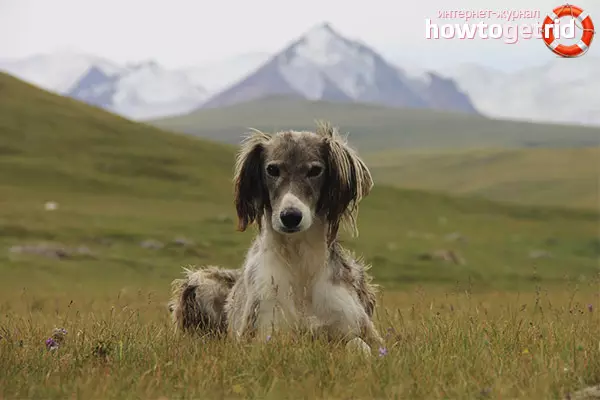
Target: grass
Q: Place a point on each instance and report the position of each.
(376, 128)
(541, 176)
(439, 345)
(119, 184)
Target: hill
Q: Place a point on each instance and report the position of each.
(135, 203)
(374, 128)
(560, 177)
(60, 144)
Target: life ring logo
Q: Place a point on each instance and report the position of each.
(579, 15)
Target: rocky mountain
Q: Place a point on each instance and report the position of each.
(324, 65)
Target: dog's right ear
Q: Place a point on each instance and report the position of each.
(251, 195)
(347, 181)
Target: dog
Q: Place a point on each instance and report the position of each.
(298, 188)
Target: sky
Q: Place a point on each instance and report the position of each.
(181, 33)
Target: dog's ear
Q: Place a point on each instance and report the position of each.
(347, 181)
(251, 195)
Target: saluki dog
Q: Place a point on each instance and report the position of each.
(298, 187)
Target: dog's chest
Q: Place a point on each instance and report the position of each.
(287, 286)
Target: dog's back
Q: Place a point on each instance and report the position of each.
(198, 300)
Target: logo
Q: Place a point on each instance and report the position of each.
(552, 23)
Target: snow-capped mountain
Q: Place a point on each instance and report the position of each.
(140, 91)
(563, 91)
(57, 72)
(324, 65)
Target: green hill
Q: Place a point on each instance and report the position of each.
(136, 203)
(437, 151)
(60, 144)
(563, 177)
(378, 128)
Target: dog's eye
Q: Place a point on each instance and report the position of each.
(273, 170)
(314, 171)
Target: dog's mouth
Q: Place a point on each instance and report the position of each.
(283, 229)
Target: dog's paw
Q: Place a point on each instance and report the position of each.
(314, 326)
(358, 346)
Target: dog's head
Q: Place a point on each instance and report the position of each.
(294, 178)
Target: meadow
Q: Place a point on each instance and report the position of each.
(464, 155)
(539, 176)
(478, 299)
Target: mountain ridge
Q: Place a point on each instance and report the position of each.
(324, 65)
(365, 76)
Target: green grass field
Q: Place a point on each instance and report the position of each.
(518, 318)
(543, 176)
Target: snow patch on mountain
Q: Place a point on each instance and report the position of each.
(57, 72)
(148, 91)
(345, 63)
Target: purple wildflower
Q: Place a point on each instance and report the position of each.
(51, 344)
(590, 308)
(268, 338)
(383, 351)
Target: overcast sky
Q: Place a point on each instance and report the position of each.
(180, 33)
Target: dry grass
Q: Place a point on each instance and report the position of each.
(543, 344)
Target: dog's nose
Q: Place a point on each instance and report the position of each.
(291, 217)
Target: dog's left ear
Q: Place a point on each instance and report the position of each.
(251, 195)
(347, 181)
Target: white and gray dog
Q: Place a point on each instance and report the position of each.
(298, 187)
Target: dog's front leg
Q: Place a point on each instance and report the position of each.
(370, 333)
(247, 324)
(273, 318)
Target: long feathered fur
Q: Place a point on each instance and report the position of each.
(248, 166)
(198, 299)
(349, 181)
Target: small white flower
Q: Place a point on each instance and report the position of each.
(51, 205)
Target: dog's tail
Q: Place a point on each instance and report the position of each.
(198, 300)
